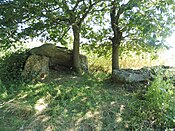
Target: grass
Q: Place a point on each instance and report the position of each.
(67, 102)
(126, 61)
(64, 101)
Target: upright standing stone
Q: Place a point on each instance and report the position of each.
(36, 66)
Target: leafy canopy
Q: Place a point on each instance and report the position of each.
(49, 19)
(144, 24)
(141, 22)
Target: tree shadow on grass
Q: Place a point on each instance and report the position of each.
(66, 102)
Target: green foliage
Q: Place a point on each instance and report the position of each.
(141, 22)
(99, 64)
(12, 64)
(64, 101)
(3, 91)
(161, 101)
(101, 50)
(50, 20)
(127, 59)
(69, 102)
(155, 109)
(125, 50)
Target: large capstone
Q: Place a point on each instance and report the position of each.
(59, 56)
(49, 56)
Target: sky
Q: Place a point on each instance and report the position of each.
(169, 55)
(171, 40)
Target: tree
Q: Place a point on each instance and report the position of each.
(48, 18)
(132, 21)
(138, 24)
(143, 22)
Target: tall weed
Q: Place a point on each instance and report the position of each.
(131, 60)
(160, 99)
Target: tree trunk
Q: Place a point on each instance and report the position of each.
(115, 54)
(116, 39)
(76, 45)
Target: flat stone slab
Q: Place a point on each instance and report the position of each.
(129, 76)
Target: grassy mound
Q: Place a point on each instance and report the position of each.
(66, 101)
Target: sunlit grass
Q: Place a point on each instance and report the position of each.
(130, 61)
(76, 102)
(66, 101)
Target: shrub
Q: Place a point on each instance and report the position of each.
(3, 91)
(12, 63)
(160, 99)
